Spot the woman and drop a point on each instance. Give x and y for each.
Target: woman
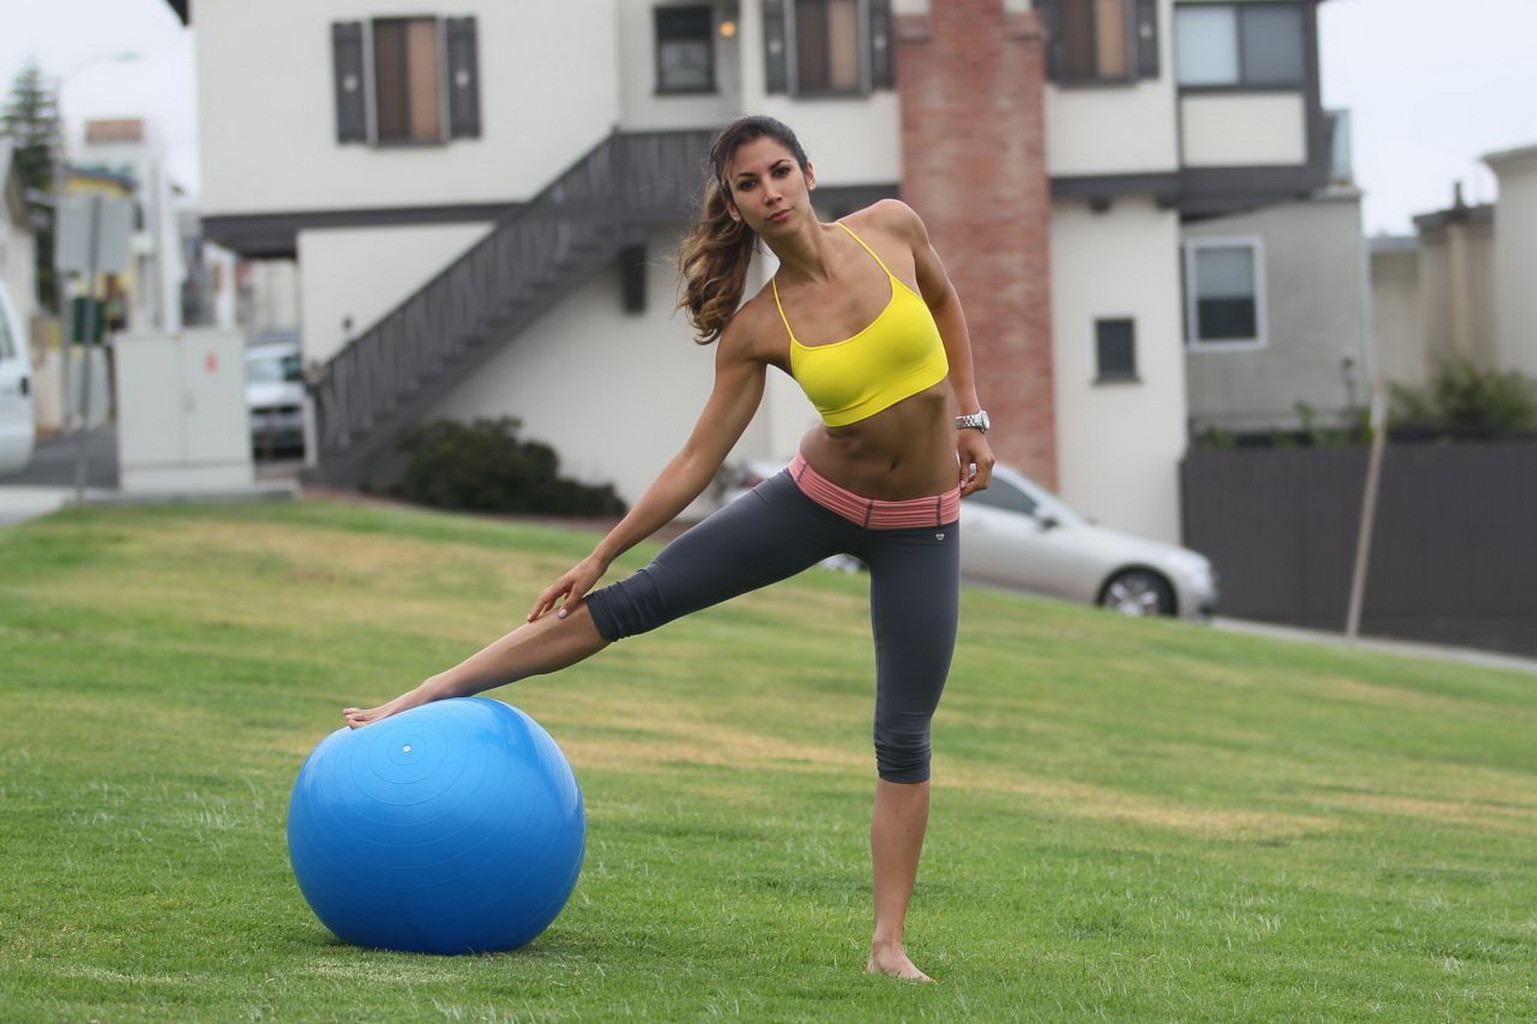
(863, 316)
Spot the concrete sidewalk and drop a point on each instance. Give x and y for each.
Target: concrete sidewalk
(1401, 648)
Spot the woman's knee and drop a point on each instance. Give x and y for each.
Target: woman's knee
(902, 755)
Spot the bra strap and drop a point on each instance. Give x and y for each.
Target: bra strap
(866, 248)
(775, 282)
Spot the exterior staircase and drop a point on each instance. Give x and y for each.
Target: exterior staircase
(392, 374)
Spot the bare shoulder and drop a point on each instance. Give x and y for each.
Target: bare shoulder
(891, 217)
(752, 333)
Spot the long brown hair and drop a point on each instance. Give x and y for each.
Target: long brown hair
(713, 258)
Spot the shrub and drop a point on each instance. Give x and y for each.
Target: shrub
(484, 467)
(1462, 400)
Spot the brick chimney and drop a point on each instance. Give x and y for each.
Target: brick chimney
(971, 77)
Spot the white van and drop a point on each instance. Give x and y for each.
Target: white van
(18, 429)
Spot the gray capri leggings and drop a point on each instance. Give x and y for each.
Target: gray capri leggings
(774, 532)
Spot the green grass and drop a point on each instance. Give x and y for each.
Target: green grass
(1133, 821)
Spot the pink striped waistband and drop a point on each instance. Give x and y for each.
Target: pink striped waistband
(874, 513)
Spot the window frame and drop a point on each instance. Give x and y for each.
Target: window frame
(862, 54)
(1193, 341)
(660, 88)
(1240, 84)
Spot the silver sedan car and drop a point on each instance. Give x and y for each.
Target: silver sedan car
(1018, 534)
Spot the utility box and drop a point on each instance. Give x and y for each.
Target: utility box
(182, 420)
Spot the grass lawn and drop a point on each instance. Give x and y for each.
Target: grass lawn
(1133, 821)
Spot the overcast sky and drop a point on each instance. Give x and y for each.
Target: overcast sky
(1432, 86)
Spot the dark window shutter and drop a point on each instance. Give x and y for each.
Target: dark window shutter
(463, 79)
(1051, 22)
(776, 56)
(347, 64)
(881, 55)
(1147, 38)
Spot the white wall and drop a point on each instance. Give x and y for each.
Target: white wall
(360, 274)
(640, 107)
(1119, 444)
(1515, 247)
(18, 269)
(1243, 130)
(615, 394)
(1103, 130)
(268, 119)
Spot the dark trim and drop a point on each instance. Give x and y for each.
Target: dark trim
(842, 200)
(1241, 90)
(1105, 188)
(183, 10)
(275, 235)
(1217, 191)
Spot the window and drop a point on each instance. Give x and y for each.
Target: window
(1097, 41)
(826, 47)
(407, 81)
(402, 81)
(1004, 495)
(1224, 282)
(1115, 349)
(1094, 39)
(1247, 45)
(8, 347)
(685, 49)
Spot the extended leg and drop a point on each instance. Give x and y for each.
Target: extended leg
(545, 645)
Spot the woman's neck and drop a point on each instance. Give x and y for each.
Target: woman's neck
(806, 255)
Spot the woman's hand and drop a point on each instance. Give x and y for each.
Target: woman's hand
(568, 591)
(976, 458)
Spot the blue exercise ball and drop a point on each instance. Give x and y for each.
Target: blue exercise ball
(455, 827)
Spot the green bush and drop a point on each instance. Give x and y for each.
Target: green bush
(484, 467)
(1463, 400)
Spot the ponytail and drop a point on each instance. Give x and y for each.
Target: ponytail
(713, 260)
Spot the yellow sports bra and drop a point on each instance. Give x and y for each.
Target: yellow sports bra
(897, 356)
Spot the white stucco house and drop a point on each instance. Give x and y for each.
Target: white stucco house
(482, 200)
(18, 246)
(1461, 285)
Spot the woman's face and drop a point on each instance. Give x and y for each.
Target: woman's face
(769, 191)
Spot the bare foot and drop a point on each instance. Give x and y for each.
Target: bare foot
(892, 960)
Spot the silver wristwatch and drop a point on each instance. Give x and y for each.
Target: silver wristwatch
(974, 420)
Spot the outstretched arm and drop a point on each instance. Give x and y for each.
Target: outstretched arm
(738, 390)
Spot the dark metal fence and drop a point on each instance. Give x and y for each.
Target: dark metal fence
(1453, 553)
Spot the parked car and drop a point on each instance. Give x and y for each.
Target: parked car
(1017, 534)
(274, 394)
(18, 426)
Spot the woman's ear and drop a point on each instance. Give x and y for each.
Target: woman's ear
(811, 176)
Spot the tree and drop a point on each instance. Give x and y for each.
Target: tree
(31, 120)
